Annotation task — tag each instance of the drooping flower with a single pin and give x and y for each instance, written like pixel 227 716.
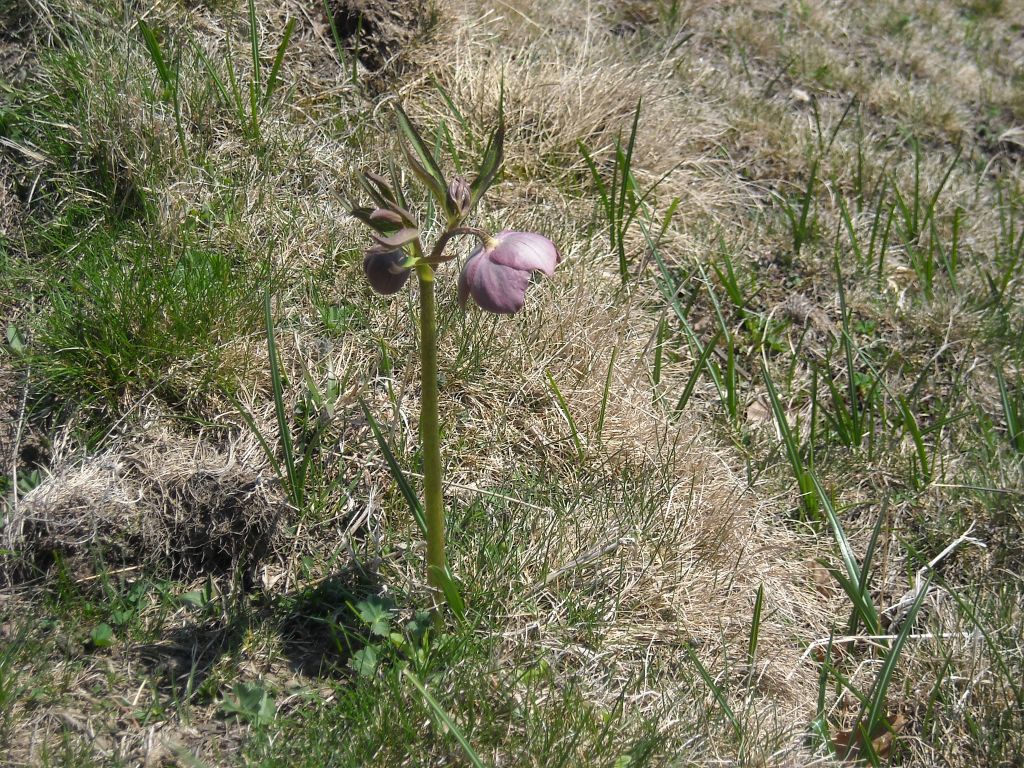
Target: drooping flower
pixel 497 273
pixel 384 270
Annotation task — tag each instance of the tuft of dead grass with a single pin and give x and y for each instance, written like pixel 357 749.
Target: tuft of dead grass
pixel 161 498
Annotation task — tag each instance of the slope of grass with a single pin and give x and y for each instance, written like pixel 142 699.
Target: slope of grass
pixel 741 485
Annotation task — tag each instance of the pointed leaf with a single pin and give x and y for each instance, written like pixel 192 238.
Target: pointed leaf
pixel 378 188
pixel 437 188
pixel 363 214
pixel 451 591
pixel 446 719
pixel 490 165
pixel 421 159
pixel 396 471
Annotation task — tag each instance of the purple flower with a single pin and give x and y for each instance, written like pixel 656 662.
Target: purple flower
pixel 497 273
pixel 384 270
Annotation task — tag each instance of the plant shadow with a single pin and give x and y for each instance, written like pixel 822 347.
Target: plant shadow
pixel 322 629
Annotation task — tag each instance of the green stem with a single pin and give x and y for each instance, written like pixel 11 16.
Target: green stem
pixel 430 434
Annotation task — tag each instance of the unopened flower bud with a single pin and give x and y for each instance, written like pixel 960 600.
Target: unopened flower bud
pixel 459 197
pixel 384 270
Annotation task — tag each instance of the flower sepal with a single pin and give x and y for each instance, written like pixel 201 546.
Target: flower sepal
pixel 498 272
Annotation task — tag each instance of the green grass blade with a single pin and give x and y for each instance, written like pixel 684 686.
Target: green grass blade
pixel 1010 413
pixel 335 36
pixel 702 361
pixel 211 71
pixel 606 393
pixel 671 293
pixel 1010 677
pixel 855 418
pixel 275 69
pixel 295 489
pixel 396 471
pixel 254 46
pixel 236 91
pixel 564 407
pixel 267 450
pixel 934 199
pixel 446 719
pixel 820 725
pixel 716 691
pixel 911 425
pixel 800 236
pixel 875 708
pixel 803 477
pixel 853 584
pixel 755 627
pixel 865 568
pixel 602 190
pixel 626 166
pixel 659 350
pixel 455 111
pixel 156 54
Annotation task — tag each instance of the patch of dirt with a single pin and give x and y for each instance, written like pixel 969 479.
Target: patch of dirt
pixel 378 32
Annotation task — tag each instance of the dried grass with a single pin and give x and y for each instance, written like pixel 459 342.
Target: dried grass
pixel 156 499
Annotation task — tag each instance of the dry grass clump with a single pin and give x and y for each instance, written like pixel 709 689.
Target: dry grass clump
pixel 161 499
pixel 569 78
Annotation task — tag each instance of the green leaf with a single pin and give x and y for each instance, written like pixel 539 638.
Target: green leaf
pixel 15 340
pixel 102 636
pixel 378 188
pixel 852 583
pixel 295 484
pixel 715 689
pixel 396 471
pixel 153 47
pixel 252 703
pixel 275 68
pixel 195 598
pixel 873 711
pixel 121 616
pixel 445 719
pixel 490 165
pixel 450 588
pixel 375 615
pixel 363 214
pixel 364 661
pixel 420 158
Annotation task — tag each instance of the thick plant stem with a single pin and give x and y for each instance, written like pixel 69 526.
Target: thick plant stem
pixel 429 434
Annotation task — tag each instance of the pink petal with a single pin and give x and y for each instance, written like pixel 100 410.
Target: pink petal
pixel 526 251
pixel 497 288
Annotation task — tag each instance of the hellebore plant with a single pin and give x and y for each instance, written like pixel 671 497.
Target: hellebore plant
pixel 496 276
